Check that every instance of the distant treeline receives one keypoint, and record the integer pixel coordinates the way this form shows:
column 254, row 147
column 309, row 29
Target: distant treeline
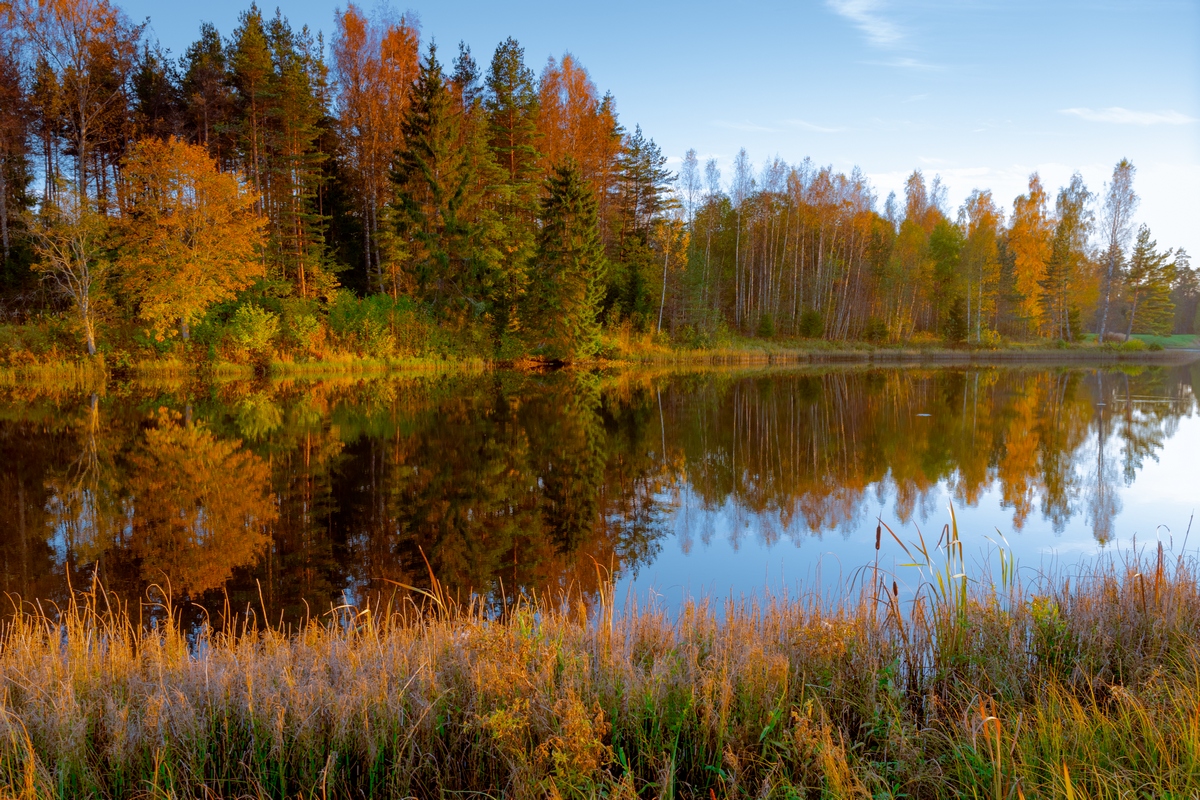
column 264, row 194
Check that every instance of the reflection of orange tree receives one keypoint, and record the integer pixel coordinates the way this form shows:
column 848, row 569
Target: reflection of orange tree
column 200, row 505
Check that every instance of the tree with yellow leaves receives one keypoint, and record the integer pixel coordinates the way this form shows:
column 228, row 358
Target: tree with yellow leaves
column 980, row 219
column 1029, row 239
column 190, row 236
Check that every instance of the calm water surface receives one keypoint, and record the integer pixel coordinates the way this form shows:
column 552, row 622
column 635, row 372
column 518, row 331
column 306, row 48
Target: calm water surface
column 287, row 498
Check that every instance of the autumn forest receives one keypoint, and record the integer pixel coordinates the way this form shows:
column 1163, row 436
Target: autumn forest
column 269, row 195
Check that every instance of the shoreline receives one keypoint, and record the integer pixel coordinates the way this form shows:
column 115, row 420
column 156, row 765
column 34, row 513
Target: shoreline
column 96, row 371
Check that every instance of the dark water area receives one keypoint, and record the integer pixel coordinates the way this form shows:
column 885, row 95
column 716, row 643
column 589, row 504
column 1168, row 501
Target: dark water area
column 281, row 500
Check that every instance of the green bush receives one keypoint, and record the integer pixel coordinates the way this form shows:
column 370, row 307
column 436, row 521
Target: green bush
column 876, row 330
column 301, row 323
column 766, row 327
column 1132, row 346
column 381, row 327
column 811, row 325
column 254, row 328
column 1155, row 347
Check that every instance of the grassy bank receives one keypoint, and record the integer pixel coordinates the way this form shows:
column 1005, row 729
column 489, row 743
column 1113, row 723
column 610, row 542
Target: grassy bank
column 648, row 350
column 645, row 351
column 1080, row 686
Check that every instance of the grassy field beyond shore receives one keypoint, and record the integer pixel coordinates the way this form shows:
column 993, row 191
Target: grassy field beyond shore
column 1078, row 686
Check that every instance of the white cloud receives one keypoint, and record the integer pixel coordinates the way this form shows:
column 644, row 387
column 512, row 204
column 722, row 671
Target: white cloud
column 866, row 16
column 905, row 62
column 1124, row 116
column 808, row 126
column 747, row 127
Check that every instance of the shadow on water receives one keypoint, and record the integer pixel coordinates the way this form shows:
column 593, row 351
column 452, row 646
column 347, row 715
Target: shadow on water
column 286, row 499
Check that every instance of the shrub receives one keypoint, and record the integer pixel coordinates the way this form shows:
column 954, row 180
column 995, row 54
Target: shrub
column 1155, row 347
column 254, row 328
column 811, row 325
column 301, row 323
column 1132, row 346
column 766, row 327
column 876, row 330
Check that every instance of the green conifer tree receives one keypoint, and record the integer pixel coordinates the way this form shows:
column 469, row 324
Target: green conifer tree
column 440, row 216
column 511, row 103
column 1148, row 280
column 567, row 276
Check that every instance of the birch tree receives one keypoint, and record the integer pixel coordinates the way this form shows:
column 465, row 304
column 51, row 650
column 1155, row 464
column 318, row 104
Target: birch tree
column 1116, row 225
column 70, row 243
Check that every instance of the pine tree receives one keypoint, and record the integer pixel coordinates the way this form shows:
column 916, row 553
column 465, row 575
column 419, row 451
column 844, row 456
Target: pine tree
column 158, row 102
column 280, row 86
column 207, row 96
column 15, row 116
column 251, row 73
column 567, row 280
column 1185, row 294
column 296, row 116
column 643, row 186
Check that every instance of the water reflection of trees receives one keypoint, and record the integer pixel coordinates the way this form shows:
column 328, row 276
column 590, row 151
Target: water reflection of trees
column 288, row 498
column 810, row 450
column 198, row 506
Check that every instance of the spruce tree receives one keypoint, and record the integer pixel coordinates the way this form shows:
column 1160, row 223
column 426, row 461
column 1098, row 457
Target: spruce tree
column 1149, row 279
column 511, row 104
column 567, row 280
column 643, row 186
column 449, row 238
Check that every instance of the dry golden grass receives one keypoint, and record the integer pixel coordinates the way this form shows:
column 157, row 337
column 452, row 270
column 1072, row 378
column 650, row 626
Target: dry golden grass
column 1079, row 687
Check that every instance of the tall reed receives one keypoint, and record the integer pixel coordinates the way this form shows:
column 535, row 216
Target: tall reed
column 1070, row 685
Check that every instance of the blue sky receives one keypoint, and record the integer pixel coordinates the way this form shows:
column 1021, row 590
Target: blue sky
column 981, row 93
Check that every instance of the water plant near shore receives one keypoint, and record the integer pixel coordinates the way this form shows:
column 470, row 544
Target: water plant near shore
column 963, row 685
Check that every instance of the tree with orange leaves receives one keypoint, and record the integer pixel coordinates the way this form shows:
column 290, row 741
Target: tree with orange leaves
column 575, row 122
column 1029, row 239
column 375, row 65
column 190, row 236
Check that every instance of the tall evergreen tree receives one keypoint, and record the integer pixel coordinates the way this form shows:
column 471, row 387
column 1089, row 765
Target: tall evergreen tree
column 1148, row 281
column 643, row 186
column 207, row 95
column 1185, row 294
column 449, row 238
column 511, row 103
column 567, row 280
column 15, row 116
column 158, row 102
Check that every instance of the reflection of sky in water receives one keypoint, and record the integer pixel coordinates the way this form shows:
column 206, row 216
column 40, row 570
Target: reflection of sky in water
column 729, row 551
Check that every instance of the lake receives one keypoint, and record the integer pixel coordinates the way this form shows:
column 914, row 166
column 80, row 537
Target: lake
column 287, row 498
